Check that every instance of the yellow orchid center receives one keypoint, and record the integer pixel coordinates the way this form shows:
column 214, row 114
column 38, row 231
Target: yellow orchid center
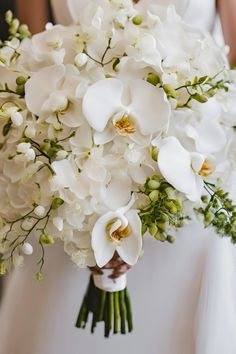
column 118, row 234
column 206, row 169
column 125, row 126
column 121, row 233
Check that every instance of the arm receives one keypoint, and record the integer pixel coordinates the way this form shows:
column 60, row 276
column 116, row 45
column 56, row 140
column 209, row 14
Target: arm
column 34, row 13
column 227, row 12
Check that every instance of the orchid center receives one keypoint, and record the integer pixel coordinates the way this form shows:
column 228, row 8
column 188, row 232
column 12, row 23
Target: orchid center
column 125, row 126
column 206, row 169
column 118, row 234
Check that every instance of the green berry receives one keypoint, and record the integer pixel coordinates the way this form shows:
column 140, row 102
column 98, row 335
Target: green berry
column 154, row 196
column 153, row 184
column 153, row 79
column 137, row 20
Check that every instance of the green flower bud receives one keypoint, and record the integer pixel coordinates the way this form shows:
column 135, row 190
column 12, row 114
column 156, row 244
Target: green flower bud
column 179, row 205
column 209, row 217
column 159, row 236
column 46, row 239
column 164, row 186
column 153, row 184
column 144, row 229
column 52, row 152
column 8, row 17
column 170, row 239
column 39, row 276
column 153, row 79
column 24, row 30
column 200, row 98
column 170, row 205
column 170, row 91
column 137, row 20
column 3, row 267
column 163, row 218
column 162, row 225
column 56, row 203
column 154, row 196
column 14, row 27
column 153, row 229
column 20, row 90
column 21, row 80
column 205, row 199
column 222, row 217
column 154, row 154
column 170, row 192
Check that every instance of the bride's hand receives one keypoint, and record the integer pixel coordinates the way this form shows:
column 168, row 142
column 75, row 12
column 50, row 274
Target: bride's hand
column 117, row 264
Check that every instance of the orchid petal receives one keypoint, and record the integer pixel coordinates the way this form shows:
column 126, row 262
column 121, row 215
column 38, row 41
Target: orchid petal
column 208, row 135
column 130, row 247
column 149, row 107
column 175, row 164
column 101, row 101
column 104, row 137
column 103, row 247
column 196, row 161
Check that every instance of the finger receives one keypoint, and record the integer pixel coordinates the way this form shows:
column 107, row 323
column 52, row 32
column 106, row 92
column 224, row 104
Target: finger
column 96, row 270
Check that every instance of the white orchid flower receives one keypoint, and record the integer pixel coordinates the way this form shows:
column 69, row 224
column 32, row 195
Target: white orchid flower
column 118, row 231
column 103, row 104
column 182, row 169
column 50, row 94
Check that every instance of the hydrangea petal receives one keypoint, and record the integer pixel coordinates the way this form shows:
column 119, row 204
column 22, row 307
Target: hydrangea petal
column 41, row 85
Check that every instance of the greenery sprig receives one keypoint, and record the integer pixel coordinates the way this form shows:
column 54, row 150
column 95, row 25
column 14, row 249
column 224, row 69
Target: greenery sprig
column 199, row 89
column 202, row 88
column 44, row 239
column 164, row 210
column 15, row 28
column 219, row 211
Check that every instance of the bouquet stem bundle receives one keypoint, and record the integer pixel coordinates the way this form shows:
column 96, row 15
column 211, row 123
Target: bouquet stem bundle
column 112, row 308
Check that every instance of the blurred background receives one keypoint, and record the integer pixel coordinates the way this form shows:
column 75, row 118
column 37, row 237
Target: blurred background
column 35, row 13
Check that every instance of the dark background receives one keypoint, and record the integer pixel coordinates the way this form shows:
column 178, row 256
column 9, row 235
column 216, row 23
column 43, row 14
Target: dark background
column 4, row 6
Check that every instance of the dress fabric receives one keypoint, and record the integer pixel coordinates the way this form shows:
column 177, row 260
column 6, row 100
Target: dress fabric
column 183, row 294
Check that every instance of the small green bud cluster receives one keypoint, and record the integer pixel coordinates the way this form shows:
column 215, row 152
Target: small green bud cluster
column 16, row 29
column 219, row 212
column 39, row 276
column 202, row 88
column 164, row 210
column 46, row 239
column 20, row 85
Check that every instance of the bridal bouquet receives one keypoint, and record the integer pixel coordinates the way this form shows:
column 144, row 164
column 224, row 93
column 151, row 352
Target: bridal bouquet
column 118, row 127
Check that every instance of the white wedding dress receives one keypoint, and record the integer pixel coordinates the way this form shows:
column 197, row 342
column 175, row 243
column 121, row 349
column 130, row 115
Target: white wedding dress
column 184, row 295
